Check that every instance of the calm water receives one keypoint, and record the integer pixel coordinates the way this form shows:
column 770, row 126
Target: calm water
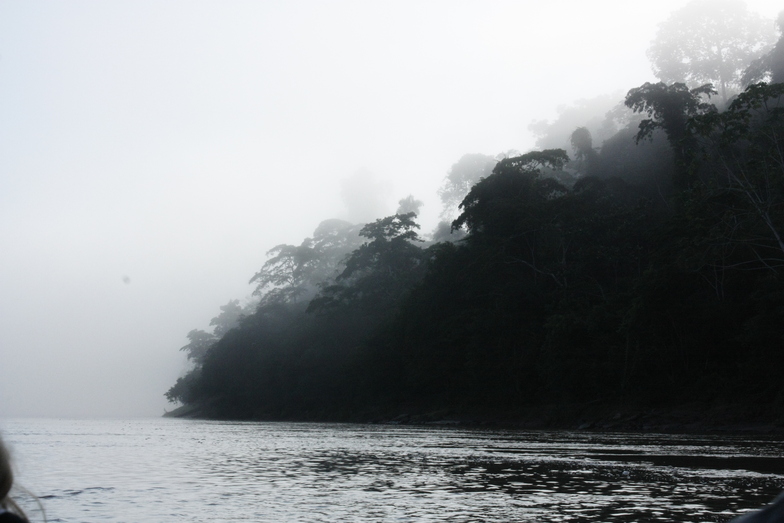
column 160, row 470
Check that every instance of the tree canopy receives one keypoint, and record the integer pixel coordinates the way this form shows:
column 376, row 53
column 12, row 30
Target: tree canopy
column 648, row 270
column 770, row 66
column 709, row 41
column 461, row 177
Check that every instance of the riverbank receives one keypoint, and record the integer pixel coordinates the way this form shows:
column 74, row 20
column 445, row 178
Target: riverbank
column 692, row 418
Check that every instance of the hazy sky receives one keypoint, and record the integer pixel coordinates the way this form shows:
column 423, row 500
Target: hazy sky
column 151, row 152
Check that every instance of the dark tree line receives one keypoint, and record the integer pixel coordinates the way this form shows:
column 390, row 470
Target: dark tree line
column 647, row 270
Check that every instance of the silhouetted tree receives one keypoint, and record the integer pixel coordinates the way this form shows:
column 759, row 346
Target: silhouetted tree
column 380, row 270
column 461, row 177
column 294, row 272
column 585, row 155
column 770, row 66
column 744, row 180
column 199, row 342
column 513, row 179
column 669, row 108
column 230, row 317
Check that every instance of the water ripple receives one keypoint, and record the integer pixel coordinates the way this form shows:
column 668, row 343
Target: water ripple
column 182, row 470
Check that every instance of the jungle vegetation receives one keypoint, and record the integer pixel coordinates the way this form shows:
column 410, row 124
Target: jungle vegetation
column 648, row 268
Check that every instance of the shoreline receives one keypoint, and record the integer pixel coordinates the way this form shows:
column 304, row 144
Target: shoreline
column 694, row 418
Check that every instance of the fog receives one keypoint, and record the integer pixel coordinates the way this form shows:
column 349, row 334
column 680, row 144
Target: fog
column 152, row 152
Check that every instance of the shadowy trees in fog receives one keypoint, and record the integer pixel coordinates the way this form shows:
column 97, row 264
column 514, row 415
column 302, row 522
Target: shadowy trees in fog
column 709, row 42
column 670, row 108
column 293, row 273
column 770, row 66
column 199, row 344
column 461, row 177
column 647, row 268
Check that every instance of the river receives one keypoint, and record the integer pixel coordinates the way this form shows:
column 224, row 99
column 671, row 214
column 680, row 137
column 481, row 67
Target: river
column 162, row 470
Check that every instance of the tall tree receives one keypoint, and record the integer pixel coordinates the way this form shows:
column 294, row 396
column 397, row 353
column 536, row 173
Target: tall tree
column 199, row 342
column 507, row 210
column 709, row 41
column 585, row 155
column 380, row 270
column 669, row 108
column 461, row 177
column 230, row 317
column 409, row 204
column 769, row 66
column 745, row 182
column 514, row 179
column 294, row 272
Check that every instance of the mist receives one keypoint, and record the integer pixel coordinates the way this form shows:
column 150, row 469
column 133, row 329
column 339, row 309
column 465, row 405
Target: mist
column 152, row 153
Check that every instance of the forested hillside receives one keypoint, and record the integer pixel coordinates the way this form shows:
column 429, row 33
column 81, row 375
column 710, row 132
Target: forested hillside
column 645, row 270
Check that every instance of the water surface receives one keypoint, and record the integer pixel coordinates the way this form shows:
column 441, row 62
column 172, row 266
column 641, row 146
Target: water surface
column 161, row 470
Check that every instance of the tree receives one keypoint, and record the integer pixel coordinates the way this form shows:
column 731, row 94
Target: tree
column 769, row 66
column 380, row 270
column 294, row 272
column 601, row 115
column 709, row 41
column 288, row 272
column 230, row 317
column 669, row 108
column 461, row 177
column 508, row 210
column 443, row 233
column 538, row 231
column 199, row 342
column 183, row 391
column 409, row 204
column 585, row 155
column 386, row 235
column 745, row 145
column 513, row 180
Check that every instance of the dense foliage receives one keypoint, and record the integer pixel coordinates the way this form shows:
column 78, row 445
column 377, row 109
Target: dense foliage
column 650, row 270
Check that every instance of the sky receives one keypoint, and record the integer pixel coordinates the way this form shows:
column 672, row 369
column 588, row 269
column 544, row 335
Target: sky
column 152, row 151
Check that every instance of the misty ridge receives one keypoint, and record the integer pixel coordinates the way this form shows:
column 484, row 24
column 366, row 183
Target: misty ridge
column 635, row 259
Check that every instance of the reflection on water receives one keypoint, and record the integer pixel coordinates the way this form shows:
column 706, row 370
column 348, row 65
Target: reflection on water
column 182, row 470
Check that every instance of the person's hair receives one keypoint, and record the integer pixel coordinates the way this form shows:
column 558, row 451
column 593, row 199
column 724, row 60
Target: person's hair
column 6, row 482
